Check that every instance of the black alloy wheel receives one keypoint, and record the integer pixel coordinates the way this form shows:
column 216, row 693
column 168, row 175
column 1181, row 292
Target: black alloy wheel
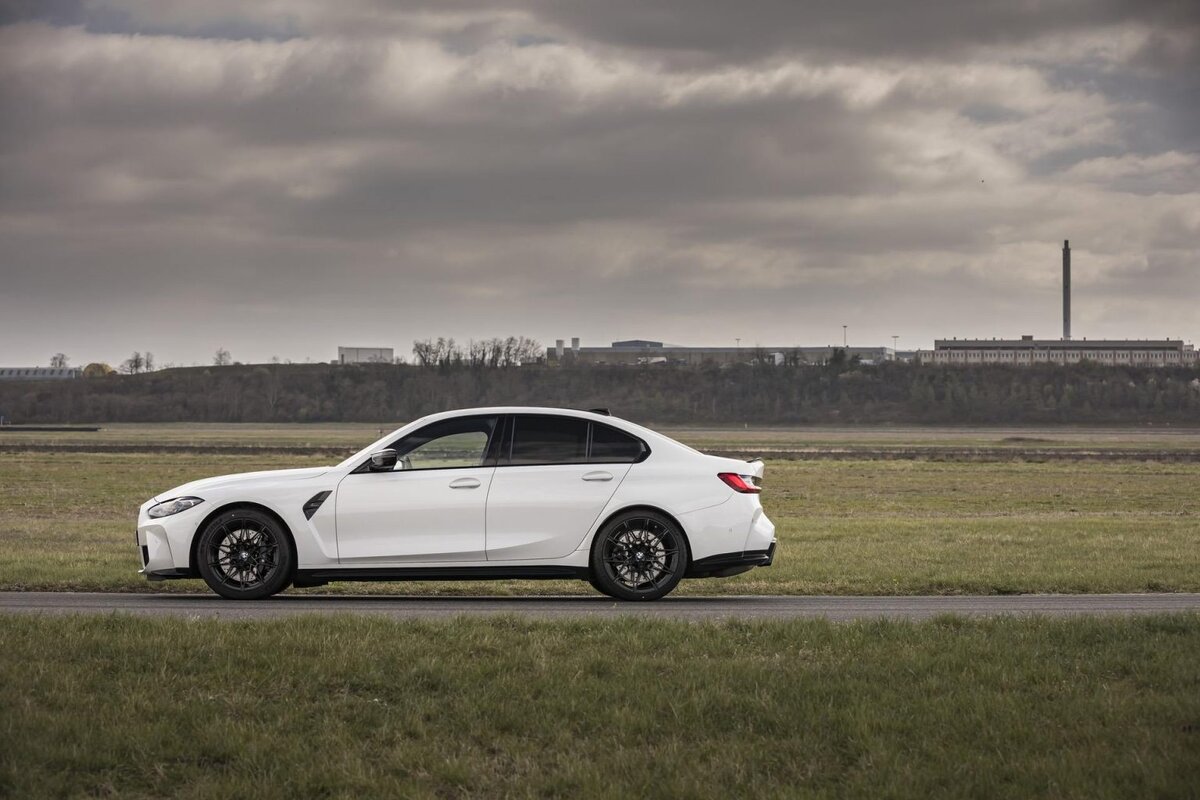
column 640, row 555
column 244, row 554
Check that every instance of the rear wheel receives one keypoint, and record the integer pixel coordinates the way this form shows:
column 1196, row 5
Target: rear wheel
column 244, row 554
column 640, row 555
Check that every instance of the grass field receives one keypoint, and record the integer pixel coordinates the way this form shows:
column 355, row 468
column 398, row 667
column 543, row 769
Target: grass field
column 352, row 436
column 353, row 707
column 845, row 527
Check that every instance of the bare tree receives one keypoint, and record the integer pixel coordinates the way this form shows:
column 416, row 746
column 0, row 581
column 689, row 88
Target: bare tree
column 423, row 351
column 221, row 358
column 148, row 361
column 477, row 353
column 494, row 352
column 442, row 353
column 134, row 364
column 529, row 351
column 59, row 361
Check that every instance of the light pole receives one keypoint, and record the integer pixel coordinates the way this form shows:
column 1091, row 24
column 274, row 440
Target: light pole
column 844, row 336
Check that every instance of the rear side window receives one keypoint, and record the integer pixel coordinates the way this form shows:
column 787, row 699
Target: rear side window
column 549, row 440
column 611, row 446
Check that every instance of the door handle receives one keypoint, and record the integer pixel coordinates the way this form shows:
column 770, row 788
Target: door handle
column 597, row 476
column 464, row 483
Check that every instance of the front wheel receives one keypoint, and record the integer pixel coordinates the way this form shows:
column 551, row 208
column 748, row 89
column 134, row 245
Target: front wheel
column 244, row 554
column 640, row 555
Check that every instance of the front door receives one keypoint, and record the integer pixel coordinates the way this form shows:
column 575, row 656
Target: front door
column 430, row 508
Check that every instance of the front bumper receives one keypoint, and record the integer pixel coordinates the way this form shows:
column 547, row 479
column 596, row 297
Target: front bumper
column 163, row 544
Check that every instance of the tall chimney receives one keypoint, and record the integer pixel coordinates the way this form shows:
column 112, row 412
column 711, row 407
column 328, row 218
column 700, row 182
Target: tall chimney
column 1066, row 289
column 575, row 344
column 558, row 349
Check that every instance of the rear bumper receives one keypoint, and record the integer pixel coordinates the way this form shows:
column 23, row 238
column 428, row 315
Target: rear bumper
column 726, row 564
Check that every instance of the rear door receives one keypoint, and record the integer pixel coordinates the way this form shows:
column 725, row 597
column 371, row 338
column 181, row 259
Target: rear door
column 548, row 489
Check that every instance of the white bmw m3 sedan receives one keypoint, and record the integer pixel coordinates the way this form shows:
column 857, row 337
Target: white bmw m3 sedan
column 474, row 494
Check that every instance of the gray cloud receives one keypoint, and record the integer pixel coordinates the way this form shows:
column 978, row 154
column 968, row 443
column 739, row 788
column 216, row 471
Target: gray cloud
column 277, row 178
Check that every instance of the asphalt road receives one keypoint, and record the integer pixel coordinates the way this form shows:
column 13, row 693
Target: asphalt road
column 574, row 607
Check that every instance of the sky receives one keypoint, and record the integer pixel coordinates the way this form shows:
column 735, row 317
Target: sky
column 282, row 177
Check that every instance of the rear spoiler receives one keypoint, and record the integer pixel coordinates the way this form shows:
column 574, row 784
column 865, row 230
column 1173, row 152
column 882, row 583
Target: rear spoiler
column 759, row 466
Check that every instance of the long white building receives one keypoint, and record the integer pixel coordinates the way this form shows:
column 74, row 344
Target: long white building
column 1027, row 350
column 39, row 373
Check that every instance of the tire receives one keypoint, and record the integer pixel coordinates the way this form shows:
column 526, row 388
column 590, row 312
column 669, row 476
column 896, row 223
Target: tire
column 595, row 584
column 638, row 555
column 244, row 554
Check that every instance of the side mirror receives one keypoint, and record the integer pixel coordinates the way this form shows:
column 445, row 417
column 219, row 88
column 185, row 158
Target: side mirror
column 383, row 461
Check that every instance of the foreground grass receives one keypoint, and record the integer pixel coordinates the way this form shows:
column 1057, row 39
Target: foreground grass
column 347, row 707
column 906, row 527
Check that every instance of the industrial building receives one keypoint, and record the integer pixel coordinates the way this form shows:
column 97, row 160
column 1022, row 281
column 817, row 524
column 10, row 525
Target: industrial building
column 39, row 373
column 365, row 355
column 644, row 351
column 1028, row 350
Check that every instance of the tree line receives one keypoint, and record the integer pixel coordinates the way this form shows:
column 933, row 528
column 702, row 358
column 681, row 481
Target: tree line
column 756, row 394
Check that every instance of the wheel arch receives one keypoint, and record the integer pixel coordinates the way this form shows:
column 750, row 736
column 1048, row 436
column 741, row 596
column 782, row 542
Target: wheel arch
column 641, row 507
column 194, row 570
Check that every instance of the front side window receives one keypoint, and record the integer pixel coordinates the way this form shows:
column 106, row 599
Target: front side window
column 449, row 444
column 549, row 440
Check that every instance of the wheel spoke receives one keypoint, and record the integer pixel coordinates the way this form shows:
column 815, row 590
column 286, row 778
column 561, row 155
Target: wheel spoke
column 243, row 553
column 641, row 554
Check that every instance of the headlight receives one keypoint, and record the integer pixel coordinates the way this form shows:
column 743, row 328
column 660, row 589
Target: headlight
column 168, row 507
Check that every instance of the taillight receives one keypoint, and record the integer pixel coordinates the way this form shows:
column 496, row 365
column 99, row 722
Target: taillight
column 746, row 484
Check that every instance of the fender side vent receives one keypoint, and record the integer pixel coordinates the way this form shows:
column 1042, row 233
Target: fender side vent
column 314, row 503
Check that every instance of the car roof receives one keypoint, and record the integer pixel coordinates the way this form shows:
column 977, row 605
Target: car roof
column 569, row 412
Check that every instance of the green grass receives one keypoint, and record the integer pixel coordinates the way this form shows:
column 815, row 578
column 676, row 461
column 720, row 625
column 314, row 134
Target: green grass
column 355, row 707
column 845, row 527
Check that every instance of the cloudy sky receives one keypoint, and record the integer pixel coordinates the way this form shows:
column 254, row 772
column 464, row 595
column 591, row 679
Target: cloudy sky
column 281, row 177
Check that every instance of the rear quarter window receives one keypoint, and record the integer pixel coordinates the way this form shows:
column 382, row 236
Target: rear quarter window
column 612, row 446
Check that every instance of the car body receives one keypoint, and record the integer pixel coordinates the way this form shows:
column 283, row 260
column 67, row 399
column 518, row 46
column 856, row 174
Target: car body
column 505, row 492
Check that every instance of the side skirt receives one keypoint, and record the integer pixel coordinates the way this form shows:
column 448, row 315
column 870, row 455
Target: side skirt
column 312, row 577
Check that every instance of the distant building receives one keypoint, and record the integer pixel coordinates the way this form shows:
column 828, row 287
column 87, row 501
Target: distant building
column 365, row 355
column 645, row 351
column 1027, row 350
column 39, row 373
